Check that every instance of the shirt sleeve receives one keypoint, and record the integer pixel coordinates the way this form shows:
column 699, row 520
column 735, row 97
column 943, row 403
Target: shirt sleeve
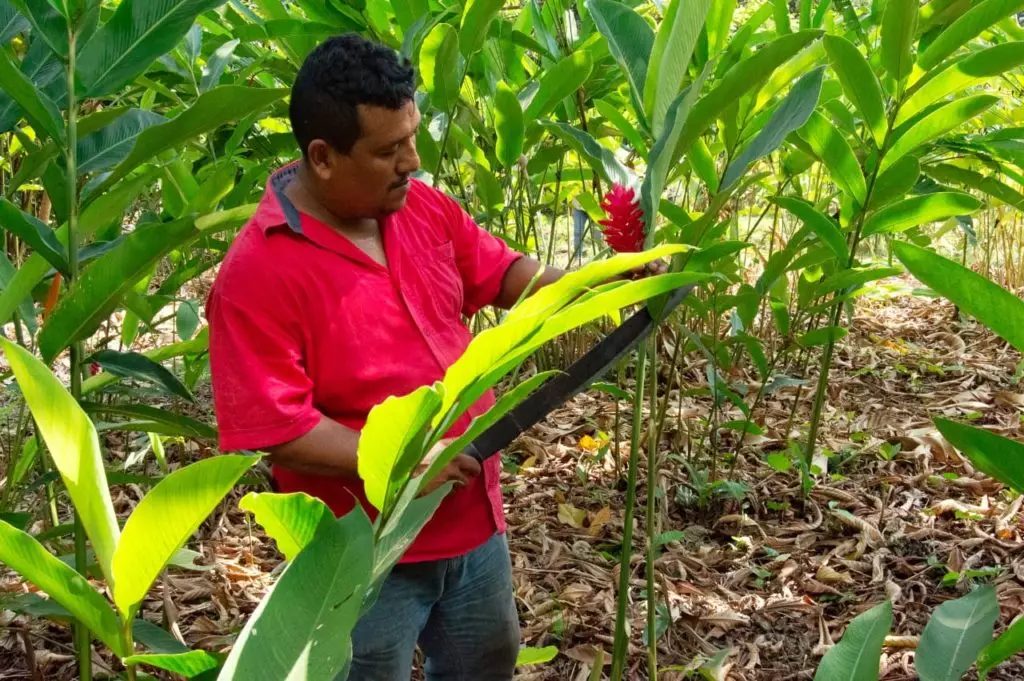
column 482, row 258
column 262, row 393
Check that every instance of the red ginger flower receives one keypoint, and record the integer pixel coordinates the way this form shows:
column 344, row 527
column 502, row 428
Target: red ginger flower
column 624, row 226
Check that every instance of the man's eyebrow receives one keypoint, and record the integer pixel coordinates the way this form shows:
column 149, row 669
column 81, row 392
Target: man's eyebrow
column 395, row 141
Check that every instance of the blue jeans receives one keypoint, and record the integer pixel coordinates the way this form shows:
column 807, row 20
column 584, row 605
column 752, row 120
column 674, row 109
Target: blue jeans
column 461, row 611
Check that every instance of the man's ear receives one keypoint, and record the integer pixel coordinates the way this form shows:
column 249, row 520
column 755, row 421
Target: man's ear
column 318, row 158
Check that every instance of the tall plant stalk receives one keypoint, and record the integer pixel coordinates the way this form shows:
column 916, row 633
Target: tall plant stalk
column 652, row 515
column 621, row 648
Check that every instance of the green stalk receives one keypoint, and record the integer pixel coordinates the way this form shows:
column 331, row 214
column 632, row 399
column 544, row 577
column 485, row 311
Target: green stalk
column 621, row 638
column 652, row 507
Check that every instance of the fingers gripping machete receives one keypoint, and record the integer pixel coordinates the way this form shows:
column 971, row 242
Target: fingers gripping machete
column 577, row 377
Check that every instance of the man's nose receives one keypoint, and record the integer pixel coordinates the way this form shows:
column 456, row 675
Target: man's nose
column 409, row 161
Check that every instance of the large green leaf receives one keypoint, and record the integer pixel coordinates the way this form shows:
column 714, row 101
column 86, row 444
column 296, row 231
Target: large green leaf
column 936, row 124
column 439, row 65
column 153, row 419
column 509, row 126
column 791, row 115
column 198, row 345
column 858, row 655
column 955, row 634
column 835, row 152
column 292, row 520
column 11, row 22
column 382, row 446
column 302, row 627
column 899, row 26
column 601, row 158
column 138, row 32
column 1002, row 649
column 960, row 75
column 740, row 79
column 782, row 25
column 986, row 184
column 670, row 57
column 895, row 182
column 850, row 279
column 138, row 366
column 214, row 108
column 827, row 230
column 74, row 448
column 560, row 81
column 476, row 20
column 719, row 23
column 47, row 24
column 920, row 210
column 22, row 553
column 110, row 145
column 34, row 233
column 95, row 294
column 46, row 72
column 38, row 109
column 859, row 83
column 999, row 457
column 992, row 305
column 165, row 519
column 966, row 28
column 190, row 664
column 630, row 39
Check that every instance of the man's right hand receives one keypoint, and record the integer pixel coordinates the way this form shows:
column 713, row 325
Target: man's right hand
column 461, row 470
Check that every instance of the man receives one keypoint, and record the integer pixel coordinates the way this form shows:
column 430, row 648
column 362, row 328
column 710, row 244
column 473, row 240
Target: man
column 349, row 285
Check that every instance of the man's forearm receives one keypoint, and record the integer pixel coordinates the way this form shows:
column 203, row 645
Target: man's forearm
column 329, row 449
column 519, row 278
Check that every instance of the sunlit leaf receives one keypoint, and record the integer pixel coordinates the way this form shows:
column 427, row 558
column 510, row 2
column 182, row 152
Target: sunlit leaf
column 937, row 123
column 857, row 656
column 291, row 520
column 967, row 27
column 955, row 634
column 920, row 210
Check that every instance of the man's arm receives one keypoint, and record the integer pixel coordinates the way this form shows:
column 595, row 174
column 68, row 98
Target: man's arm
column 518, row 278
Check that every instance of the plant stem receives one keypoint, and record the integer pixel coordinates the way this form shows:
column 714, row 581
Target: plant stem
column 621, row 638
column 652, row 507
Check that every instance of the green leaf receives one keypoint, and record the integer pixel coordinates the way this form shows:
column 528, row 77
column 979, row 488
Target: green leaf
column 138, row 32
column 382, row 446
column 936, row 124
column 23, row 554
column 33, row 232
column 560, row 81
column 895, row 182
column 186, row 320
column 920, row 210
column 198, row 345
column 214, row 108
column 955, row 634
column 970, row 25
column 509, row 125
column 992, row 305
column 110, row 145
column 827, row 230
column 190, row 664
column 302, row 628
column 217, row 64
column 476, row 20
column 156, row 638
column 846, row 280
column 791, row 115
column 11, row 22
column 779, row 462
column 740, row 79
column 95, row 294
column 38, row 109
column 822, row 336
column 292, row 520
column 165, row 519
column 899, row 26
column 858, row 655
column 623, row 125
column 601, row 158
column 960, row 75
column 153, row 419
column 533, row 655
column 47, row 24
column 439, row 65
column 985, row 184
column 782, row 25
column 138, row 366
column 996, row 456
column 670, row 57
column 1002, row 649
column 718, row 23
column 74, row 449
column 834, row 151
column 630, row 39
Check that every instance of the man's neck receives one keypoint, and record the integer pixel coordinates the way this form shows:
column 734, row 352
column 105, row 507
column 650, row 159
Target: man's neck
column 299, row 191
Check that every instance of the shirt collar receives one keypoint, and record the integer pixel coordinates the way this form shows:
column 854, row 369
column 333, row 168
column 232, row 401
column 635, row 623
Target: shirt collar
column 276, row 209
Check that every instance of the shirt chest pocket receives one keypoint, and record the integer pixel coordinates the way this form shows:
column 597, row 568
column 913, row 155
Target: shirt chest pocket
column 441, row 291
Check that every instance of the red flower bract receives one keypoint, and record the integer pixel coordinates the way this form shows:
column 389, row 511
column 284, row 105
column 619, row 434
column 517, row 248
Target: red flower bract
column 624, row 226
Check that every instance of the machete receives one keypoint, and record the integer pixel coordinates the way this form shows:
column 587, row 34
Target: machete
column 577, row 377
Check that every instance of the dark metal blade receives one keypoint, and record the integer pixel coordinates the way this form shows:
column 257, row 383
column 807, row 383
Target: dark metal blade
column 577, row 377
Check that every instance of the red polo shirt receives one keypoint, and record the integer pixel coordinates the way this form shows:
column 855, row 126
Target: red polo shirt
column 303, row 323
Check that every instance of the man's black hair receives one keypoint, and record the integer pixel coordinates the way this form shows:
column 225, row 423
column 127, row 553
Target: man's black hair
column 338, row 75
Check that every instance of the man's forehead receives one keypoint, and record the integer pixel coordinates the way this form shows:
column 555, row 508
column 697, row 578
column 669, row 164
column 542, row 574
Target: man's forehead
column 385, row 123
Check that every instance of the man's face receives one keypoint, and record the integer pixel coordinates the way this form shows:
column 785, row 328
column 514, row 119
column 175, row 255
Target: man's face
column 372, row 179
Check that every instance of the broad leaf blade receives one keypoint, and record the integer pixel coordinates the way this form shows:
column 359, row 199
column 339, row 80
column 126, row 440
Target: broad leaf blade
column 559, row 82
column 190, row 664
column 33, row 232
column 955, row 634
column 509, row 125
column 165, row 519
column 439, row 64
column 992, row 305
column 970, row 25
column 476, row 20
column 110, row 145
column 835, row 152
column 827, row 230
column 217, row 64
column 22, row 553
column 859, row 83
column 292, row 520
column 138, row 366
column 670, row 57
column 154, row 419
column 858, row 655
column 1002, row 649
column 999, row 457
column 936, row 124
column 920, row 210
column 601, row 158
column 74, row 448
column 986, row 184
column 899, row 26
column 38, row 109
column 629, row 37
